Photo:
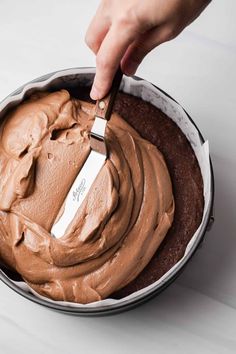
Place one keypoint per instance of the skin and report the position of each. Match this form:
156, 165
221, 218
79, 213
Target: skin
125, 31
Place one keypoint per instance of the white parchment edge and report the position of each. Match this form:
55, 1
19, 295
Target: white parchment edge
149, 93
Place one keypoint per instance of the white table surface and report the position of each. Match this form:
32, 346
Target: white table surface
198, 312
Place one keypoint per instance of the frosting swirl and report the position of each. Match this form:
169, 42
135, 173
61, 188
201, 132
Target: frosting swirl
119, 226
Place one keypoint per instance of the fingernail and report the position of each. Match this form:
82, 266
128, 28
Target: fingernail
94, 93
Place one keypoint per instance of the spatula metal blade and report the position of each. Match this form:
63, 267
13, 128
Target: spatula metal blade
78, 191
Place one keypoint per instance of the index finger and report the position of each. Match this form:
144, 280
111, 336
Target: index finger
109, 55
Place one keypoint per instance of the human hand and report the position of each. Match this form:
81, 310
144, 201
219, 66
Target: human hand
124, 31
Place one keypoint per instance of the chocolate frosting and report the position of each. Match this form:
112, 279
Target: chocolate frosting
119, 226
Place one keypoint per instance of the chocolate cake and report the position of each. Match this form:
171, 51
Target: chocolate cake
153, 126
187, 184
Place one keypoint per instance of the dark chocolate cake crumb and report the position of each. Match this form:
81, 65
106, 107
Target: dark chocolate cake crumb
155, 126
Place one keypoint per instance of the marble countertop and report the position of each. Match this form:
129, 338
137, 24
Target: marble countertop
198, 312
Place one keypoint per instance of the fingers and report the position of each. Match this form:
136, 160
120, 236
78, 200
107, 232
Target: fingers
108, 58
143, 45
95, 35
97, 30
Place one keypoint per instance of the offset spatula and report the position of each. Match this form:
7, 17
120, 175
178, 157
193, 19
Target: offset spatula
94, 162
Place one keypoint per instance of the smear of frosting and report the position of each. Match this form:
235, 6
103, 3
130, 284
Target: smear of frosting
119, 226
